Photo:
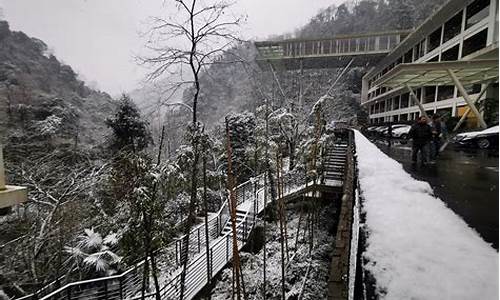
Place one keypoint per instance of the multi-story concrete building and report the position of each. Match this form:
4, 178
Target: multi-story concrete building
446, 64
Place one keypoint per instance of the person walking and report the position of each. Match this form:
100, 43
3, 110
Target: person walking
421, 135
436, 129
389, 135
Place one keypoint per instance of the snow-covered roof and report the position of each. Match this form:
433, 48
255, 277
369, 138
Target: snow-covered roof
435, 73
418, 248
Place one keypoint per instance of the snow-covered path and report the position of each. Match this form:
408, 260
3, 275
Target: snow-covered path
418, 248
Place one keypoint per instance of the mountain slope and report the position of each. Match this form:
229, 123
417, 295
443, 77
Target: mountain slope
41, 98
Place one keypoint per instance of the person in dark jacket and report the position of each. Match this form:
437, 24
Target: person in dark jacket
389, 135
421, 135
437, 131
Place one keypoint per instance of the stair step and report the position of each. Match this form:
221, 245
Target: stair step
334, 174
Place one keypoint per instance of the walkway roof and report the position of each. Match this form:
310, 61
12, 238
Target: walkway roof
435, 73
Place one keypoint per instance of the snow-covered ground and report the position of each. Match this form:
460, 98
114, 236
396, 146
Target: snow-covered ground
418, 248
252, 263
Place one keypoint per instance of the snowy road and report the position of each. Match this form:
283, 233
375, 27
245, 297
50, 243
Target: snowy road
417, 247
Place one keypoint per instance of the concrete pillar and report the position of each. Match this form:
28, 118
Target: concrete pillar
417, 101
467, 98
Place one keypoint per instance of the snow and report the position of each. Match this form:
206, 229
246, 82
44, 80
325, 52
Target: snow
473, 134
418, 248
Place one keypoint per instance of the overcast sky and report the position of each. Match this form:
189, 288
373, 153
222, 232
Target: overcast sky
99, 38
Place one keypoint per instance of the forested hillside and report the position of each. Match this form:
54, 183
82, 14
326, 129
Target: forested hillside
44, 99
52, 130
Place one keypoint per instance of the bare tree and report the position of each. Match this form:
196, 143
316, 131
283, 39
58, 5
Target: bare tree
192, 37
55, 187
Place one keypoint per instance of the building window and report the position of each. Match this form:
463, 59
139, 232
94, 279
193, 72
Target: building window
475, 43
395, 102
382, 106
344, 46
450, 54
445, 92
429, 94
395, 118
434, 40
408, 57
371, 43
476, 11
418, 51
453, 27
393, 41
362, 44
352, 45
444, 112
404, 100
403, 117
383, 42
418, 93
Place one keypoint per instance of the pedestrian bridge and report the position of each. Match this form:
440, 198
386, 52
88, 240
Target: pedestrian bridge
331, 52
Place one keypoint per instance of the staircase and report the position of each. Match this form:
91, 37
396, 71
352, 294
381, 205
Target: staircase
240, 217
334, 164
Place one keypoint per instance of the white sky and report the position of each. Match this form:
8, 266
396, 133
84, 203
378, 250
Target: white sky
99, 38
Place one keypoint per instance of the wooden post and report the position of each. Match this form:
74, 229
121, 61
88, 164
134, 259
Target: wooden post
232, 198
417, 101
467, 98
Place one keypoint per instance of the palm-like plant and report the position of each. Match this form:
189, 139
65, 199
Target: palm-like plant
94, 254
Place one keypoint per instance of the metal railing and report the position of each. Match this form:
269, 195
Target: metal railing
129, 283
249, 197
220, 254
114, 287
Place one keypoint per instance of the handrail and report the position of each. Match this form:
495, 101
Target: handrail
67, 287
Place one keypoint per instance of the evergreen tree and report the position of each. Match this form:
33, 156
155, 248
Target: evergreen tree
130, 131
242, 127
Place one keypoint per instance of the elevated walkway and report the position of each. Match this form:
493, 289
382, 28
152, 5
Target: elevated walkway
292, 54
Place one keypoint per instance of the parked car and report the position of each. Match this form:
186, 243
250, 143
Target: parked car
380, 129
484, 139
401, 132
385, 131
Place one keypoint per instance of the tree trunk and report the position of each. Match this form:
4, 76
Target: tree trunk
236, 258
154, 273
191, 217
205, 207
